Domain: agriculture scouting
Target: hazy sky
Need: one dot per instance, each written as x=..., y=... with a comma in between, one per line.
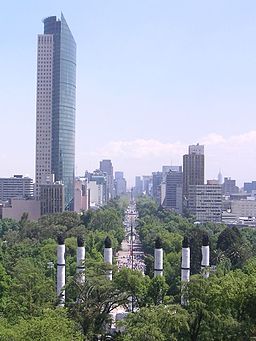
x=152, y=78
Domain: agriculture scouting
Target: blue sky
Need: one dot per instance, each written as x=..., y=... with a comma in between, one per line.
x=152, y=77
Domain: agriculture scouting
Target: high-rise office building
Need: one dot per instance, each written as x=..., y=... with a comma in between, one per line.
x=173, y=191
x=56, y=107
x=229, y=186
x=138, y=188
x=157, y=178
x=119, y=183
x=193, y=168
x=106, y=167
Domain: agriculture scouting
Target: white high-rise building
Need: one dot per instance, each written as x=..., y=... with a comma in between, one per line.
x=44, y=110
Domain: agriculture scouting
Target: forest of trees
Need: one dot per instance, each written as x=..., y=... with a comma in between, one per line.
x=221, y=307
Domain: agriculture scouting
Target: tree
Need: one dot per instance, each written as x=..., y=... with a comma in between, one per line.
x=94, y=302
x=30, y=291
x=157, y=323
x=134, y=284
x=157, y=290
x=52, y=325
x=231, y=243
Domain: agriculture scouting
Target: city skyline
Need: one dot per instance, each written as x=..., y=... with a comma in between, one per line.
x=141, y=73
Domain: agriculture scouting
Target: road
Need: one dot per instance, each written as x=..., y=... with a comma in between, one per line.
x=131, y=255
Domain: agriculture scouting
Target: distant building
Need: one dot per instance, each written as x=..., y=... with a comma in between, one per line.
x=81, y=195
x=138, y=188
x=16, y=187
x=106, y=167
x=243, y=208
x=120, y=184
x=193, y=168
x=220, y=178
x=167, y=169
x=100, y=178
x=95, y=194
x=229, y=186
x=250, y=186
x=147, y=184
x=156, y=186
x=205, y=202
x=173, y=191
x=17, y=207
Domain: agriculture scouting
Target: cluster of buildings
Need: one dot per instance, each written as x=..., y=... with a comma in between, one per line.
x=93, y=190
x=179, y=188
x=183, y=189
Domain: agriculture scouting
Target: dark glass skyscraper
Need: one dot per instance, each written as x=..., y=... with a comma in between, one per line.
x=56, y=106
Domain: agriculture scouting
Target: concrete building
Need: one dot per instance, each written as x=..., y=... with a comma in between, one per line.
x=52, y=198
x=173, y=191
x=243, y=208
x=156, y=186
x=138, y=189
x=95, y=194
x=229, y=186
x=56, y=107
x=16, y=187
x=81, y=195
x=205, y=202
x=147, y=184
x=107, y=168
x=250, y=186
x=167, y=169
x=193, y=168
x=120, y=184
x=18, y=207
x=101, y=179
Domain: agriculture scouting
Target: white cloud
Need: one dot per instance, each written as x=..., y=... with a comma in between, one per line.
x=234, y=155
x=140, y=148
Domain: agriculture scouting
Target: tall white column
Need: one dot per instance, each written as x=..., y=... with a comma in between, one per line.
x=185, y=268
x=205, y=263
x=80, y=258
x=108, y=255
x=61, y=271
x=158, y=264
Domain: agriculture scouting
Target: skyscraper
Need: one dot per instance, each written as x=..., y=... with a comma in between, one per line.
x=193, y=168
x=157, y=178
x=173, y=191
x=106, y=167
x=56, y=106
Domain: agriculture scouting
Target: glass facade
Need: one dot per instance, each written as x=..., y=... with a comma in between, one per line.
x=63, y=105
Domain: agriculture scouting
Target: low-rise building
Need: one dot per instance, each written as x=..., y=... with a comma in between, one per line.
x=17, y=207
x=243, y=208
x=17, y=186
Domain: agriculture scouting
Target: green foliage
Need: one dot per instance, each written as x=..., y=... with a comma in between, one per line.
x=8, y=225
x=30, y=291
x=221, y=307
x=234, y=246
x=157, y=323
x=97, y=298
x=52, y=325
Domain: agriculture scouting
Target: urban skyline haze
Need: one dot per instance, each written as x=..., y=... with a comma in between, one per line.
x=152, y=78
